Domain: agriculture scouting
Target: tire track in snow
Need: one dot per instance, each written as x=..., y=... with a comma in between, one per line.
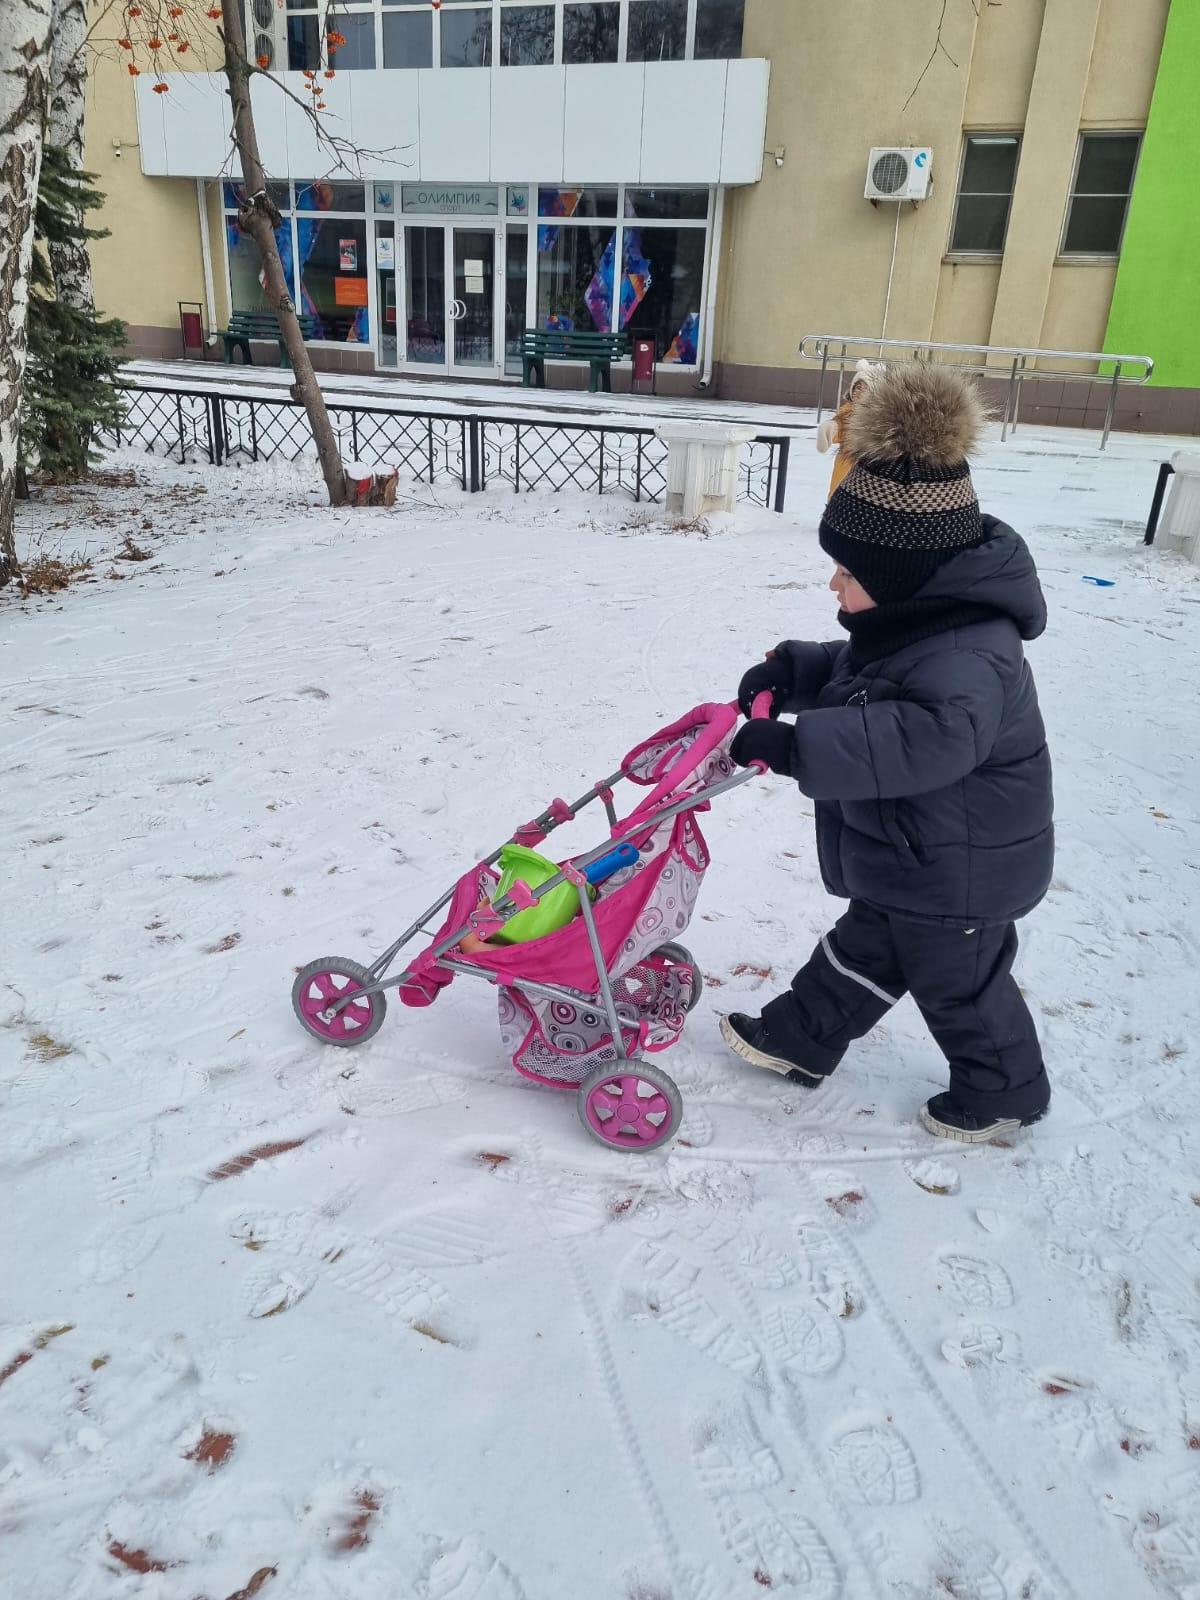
x=602, y=1354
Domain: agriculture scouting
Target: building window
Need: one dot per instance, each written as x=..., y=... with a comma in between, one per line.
x=657, y=30
x=408, y=38
x=719, y=29
x=322, y=196
x=591, y=33
x=358, y=30
x=466, y=34
x=575, y=269
x=332, y=256
x=657, y=290
x=411, y=34
x=985, y=190
x=527, y=36
x=304, y=42
x=584, y=200
x=1104, y=170
x=324, y=257
x=662, y=285
x=667, y=203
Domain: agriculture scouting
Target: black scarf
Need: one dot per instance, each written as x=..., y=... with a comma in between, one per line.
x=877, y=634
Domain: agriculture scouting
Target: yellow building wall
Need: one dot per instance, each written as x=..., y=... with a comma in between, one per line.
x=1124, y=63
x=965, y=298
x=152, y=258
x=1002, y=66
x=805, y=253
x=1077, y=307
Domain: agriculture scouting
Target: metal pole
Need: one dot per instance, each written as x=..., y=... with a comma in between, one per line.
x=1160, y=488
x=606, y=994
x=781, y=471
x=1008, y=400
x=1017, y=395
x=821, y=381
x=1112, y=404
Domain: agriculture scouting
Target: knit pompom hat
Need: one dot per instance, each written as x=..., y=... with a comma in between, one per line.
x=908, y=504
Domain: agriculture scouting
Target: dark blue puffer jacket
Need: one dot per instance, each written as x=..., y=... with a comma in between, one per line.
x=929, y=768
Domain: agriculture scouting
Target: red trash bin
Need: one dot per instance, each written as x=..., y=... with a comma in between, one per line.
x=191, y=326
x=644, y=368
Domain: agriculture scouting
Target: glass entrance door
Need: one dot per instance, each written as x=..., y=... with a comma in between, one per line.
x=453, y=310
x=516, y=287
x=473, y=312
x=426, y=309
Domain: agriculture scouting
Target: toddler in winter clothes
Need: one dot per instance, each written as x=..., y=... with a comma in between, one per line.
x=921, y=743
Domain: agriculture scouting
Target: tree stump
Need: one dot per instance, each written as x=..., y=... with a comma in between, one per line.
x=371, y=488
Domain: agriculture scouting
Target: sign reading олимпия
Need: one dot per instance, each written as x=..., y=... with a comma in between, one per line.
x=450, y=199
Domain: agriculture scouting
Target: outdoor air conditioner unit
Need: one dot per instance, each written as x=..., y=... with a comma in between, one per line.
x=899, y=174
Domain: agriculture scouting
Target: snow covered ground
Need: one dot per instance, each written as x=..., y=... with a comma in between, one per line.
x=281, y=1319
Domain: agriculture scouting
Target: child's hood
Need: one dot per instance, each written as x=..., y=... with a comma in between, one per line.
x=1000, y=573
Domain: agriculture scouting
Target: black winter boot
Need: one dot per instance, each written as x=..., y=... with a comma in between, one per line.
x=750, y=1039
x=941, y=1116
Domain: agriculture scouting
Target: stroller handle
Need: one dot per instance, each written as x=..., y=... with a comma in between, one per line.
x=760, y=710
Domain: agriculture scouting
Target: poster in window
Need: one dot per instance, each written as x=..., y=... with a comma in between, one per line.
x=350, y=291
x=348, y=255
x=385, y=253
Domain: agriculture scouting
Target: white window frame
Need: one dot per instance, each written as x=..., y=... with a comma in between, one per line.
x=322, y=9
x=293, y=219
x=502, y=220
x=1099, y=256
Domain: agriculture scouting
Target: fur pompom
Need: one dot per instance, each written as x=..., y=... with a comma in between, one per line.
x=933, y=414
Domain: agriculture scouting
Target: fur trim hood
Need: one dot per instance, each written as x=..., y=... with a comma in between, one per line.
x=928, y=413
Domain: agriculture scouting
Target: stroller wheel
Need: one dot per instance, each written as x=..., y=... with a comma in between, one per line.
x=630, y=1105
x=681, y=956
x=318, y=988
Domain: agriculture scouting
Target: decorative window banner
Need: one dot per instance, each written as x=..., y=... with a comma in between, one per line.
x=637, y=277
x=450, y=199
x=385, y=197
x=348, y=255
x=385, y=254
x=350, y=291
x=684, y=348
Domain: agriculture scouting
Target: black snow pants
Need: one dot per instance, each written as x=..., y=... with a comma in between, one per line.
x=961, y=979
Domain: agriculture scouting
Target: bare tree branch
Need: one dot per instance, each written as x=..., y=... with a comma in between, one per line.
x=939, y=47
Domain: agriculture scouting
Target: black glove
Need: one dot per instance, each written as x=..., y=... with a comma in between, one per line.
x=775, y=674
x=771, y=742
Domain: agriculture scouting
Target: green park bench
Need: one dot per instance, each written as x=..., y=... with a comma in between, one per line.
x=264, y=325
x=599, y=350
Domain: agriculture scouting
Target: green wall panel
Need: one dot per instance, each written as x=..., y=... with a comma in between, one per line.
x=1156, y=301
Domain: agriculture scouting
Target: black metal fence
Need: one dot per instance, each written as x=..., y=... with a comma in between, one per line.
x=467, y=450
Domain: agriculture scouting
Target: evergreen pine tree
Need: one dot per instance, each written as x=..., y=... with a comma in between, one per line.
x=70, y=390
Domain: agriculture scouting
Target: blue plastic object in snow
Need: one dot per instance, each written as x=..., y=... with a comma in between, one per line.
x=1101, y=583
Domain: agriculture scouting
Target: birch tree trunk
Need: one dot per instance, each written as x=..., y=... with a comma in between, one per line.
x=259, y=218
x=69, y=259
x=24, y=98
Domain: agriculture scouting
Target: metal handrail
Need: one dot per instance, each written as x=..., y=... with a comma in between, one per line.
x=819, y=347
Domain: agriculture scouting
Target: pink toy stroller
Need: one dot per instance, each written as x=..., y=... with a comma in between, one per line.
x=581, y=1008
